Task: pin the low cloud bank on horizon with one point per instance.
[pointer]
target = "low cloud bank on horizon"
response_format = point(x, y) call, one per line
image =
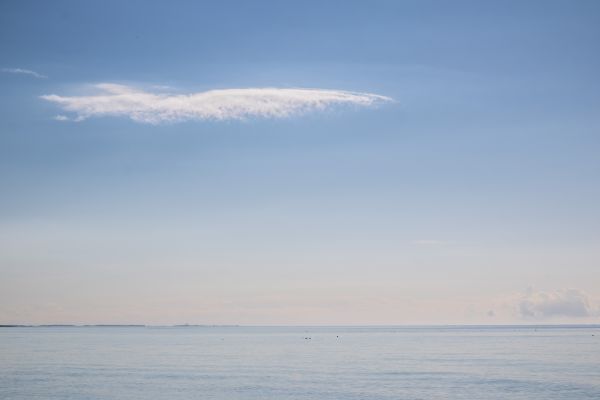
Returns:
point(224, 104)
point(573, 303)
point(24, 72)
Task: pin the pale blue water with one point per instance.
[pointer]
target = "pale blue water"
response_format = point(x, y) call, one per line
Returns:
point(279, 363)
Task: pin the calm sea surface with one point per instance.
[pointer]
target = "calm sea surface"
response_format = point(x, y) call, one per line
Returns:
point(283, 363)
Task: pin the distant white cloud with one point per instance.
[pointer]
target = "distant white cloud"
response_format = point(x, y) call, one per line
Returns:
point(225, 104)
point(24, 72)
point(572, 303)
point(428, 242)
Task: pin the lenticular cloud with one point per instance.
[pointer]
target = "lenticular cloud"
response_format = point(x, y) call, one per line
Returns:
point(225, 104)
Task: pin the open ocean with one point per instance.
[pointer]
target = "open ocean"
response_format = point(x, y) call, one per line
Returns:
point(231, 363)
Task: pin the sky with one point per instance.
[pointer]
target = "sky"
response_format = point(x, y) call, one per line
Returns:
point(299, 163)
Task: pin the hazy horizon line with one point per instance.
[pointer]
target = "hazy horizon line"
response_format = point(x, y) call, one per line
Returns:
point(592, 325)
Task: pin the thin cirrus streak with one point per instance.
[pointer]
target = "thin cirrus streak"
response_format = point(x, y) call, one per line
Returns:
point(24, 72)
point(224, 104)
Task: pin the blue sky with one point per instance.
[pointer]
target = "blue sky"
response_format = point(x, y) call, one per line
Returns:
point(472, 197)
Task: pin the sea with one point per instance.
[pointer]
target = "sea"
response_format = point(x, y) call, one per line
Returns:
point(320, 363)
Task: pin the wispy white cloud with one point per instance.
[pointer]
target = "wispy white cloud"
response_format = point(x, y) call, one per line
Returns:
point(572, 303)
point(225, 104)
point(24, 72)
point(428, 242)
